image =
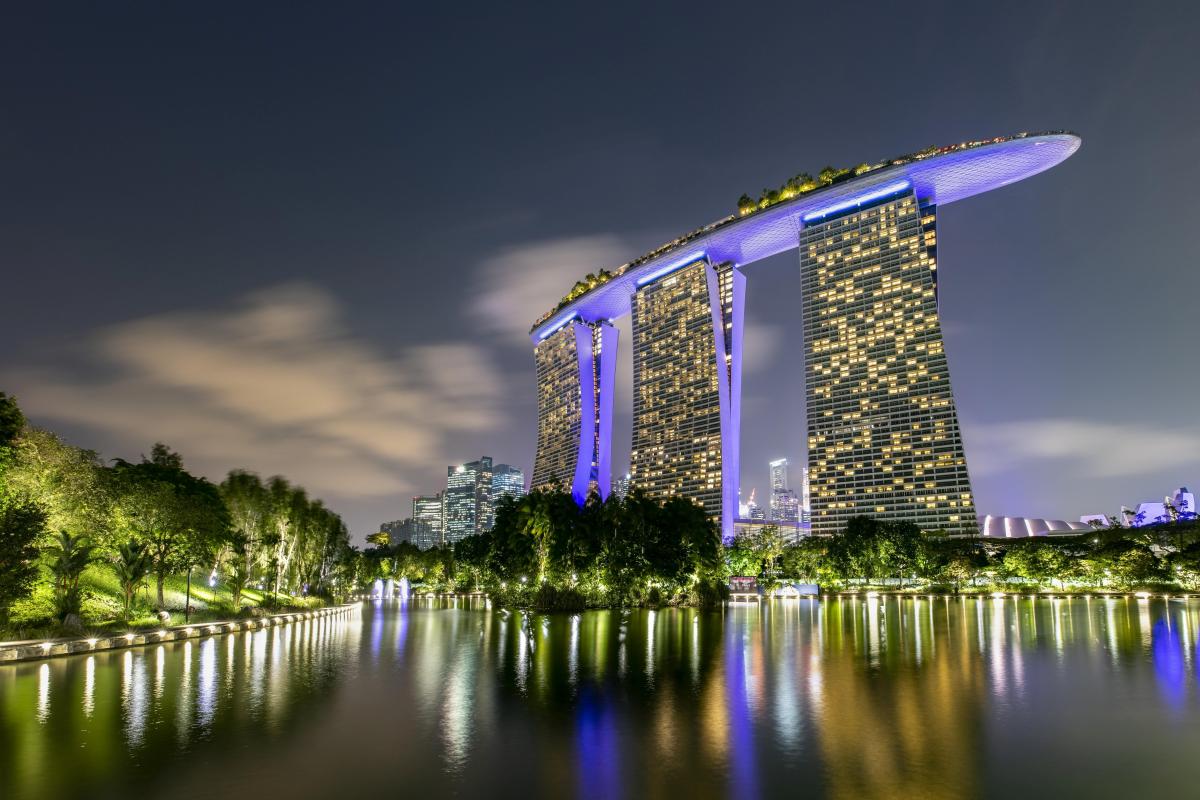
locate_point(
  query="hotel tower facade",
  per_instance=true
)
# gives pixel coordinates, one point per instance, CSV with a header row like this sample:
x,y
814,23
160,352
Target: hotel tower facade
x,y
883,433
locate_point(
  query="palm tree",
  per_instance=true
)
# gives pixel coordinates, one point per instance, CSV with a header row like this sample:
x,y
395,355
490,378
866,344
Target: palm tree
x,y
71,555
536,522
133,565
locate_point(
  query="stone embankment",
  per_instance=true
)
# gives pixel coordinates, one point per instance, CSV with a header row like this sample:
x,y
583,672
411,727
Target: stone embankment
x,y
11,652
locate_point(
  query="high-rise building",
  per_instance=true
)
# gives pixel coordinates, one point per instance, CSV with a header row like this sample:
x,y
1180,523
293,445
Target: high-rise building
x,y
753,509
883,430
507,481
779,474
396,531
883,435
621,487
687,385
576,372
785,506
468,499
422,534
805,497
428,510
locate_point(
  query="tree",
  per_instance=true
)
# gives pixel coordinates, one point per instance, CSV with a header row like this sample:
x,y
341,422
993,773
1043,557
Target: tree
x,y
855,553
65,481
69,557
21,525
181,519
767,543
900,548
132,566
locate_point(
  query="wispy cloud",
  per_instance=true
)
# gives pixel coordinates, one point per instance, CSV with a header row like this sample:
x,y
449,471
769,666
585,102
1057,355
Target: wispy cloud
x,y
1088,449
521,283
276,383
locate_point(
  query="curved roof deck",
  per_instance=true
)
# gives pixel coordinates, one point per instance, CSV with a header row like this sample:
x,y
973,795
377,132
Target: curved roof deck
x,y
949,175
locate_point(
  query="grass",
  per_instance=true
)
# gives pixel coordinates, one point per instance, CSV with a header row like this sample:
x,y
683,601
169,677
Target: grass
x,y
33,617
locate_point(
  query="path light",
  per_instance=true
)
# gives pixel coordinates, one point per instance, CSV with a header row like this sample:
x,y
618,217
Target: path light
x,y
1143,595
523,579
92,642
47,645
129,637
999,595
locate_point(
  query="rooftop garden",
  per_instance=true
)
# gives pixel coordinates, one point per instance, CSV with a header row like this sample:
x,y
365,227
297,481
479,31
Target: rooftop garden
x,y
798,185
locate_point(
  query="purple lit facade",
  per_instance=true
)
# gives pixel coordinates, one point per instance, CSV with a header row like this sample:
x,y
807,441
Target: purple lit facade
x,y
931,179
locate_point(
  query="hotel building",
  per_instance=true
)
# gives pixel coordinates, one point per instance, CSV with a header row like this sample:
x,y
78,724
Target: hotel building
x,y
883,430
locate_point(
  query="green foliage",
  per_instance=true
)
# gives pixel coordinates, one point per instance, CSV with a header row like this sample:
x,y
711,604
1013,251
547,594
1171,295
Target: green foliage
x,y
67,482
180,519
547,551
21,525
132,566
69,557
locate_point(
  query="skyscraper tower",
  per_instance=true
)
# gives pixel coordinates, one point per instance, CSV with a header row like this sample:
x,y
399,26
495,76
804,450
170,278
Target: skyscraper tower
x,y
687,385
427,510
468,499
576,372
779,474
507,481
883,435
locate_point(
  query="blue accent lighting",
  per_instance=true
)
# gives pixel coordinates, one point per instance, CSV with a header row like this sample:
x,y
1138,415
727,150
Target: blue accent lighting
x,y
667,270
856,202
558,325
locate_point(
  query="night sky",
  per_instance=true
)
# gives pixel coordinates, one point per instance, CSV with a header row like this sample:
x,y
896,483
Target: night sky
x,y
310,239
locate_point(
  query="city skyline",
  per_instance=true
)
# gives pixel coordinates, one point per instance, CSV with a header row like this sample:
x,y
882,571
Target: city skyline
x,y
335,286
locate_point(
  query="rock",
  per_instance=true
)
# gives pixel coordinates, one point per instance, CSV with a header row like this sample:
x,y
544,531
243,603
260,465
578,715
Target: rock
x,y
164,617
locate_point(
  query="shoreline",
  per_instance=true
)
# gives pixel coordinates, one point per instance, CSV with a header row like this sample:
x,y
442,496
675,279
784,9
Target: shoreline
x,y
33,650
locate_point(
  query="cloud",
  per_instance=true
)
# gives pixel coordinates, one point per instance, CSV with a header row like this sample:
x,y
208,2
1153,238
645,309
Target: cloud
x,y
276,383
1088,449
521,283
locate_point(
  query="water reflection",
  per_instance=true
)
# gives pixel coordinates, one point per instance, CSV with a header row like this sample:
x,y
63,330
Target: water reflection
x,y
844,697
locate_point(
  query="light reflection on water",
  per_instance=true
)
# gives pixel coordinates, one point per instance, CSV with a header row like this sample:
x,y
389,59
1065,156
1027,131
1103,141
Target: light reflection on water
x,y
844,697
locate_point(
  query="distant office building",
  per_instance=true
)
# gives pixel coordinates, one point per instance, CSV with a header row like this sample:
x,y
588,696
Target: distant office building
x,y
395,531
621,488
507,481
422,534
467,500
785,506
753,510
428,510
805,491
779,474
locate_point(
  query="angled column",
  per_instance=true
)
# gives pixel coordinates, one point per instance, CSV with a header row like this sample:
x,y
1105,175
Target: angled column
x,y
883,435
687,326
576,373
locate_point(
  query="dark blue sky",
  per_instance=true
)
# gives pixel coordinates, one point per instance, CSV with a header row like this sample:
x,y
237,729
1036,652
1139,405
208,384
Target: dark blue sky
x,y
309,239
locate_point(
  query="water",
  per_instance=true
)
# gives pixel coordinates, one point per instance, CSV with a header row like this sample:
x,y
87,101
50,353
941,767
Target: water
x,y
841,698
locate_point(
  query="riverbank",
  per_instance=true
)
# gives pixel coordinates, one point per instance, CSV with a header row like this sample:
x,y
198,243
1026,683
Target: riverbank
x,y
32,650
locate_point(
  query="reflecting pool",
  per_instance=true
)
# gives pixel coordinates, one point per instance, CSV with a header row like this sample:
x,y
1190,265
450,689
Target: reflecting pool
x,y
844,697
